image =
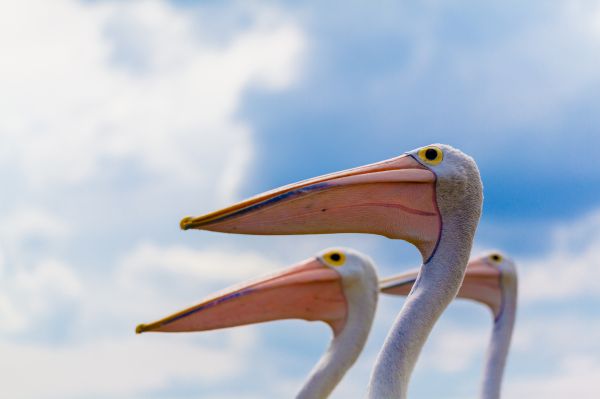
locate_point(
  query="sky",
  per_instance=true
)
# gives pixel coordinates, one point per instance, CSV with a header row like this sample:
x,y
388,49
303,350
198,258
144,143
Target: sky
x,y
118,118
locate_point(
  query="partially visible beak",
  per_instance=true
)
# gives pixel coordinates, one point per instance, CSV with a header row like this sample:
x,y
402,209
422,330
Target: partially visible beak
x,y
394,198
399,284
309,291
482,283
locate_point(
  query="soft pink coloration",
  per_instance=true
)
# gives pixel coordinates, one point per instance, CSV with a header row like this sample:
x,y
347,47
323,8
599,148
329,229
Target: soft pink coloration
x,y
482,283
308,291
394,198
339,287
492,280
432,200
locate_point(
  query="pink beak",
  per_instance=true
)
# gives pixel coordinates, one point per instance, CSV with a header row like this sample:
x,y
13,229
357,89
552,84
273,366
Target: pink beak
x,y
482,283
309,290
394,198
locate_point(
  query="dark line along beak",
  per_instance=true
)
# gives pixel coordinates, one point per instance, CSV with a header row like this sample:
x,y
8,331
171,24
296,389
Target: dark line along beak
x,y
481,283
309,291
395,198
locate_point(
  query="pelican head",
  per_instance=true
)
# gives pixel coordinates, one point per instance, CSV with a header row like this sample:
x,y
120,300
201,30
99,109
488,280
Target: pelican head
x,y
329,287
489,279
407,197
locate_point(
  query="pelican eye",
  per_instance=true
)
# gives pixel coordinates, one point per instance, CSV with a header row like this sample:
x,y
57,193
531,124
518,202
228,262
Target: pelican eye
x,y
496,258
431,155
334,258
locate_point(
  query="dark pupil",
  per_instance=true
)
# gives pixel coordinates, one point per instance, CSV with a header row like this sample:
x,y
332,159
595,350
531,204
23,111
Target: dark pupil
x,y
335,257
495,257
431,154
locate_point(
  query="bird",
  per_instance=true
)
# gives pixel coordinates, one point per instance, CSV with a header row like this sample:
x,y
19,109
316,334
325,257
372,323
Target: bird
x,y
492,280
431,197
338,286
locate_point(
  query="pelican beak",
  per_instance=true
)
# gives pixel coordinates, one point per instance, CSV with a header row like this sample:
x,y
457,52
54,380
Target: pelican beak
x,y
394,198
399,284
309,290
482,283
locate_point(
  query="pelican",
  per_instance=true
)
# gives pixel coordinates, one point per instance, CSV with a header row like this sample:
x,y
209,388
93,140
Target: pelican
x,y
339,286
431,197
492,280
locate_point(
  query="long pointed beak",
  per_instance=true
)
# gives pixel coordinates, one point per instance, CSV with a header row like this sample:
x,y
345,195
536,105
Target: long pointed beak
x,y
395,198
309,291
482,283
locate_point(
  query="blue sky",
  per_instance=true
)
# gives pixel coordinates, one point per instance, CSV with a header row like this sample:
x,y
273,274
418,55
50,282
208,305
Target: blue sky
x,y
119,118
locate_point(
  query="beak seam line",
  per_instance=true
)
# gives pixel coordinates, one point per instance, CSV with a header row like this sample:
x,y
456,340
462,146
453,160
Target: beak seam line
x,y
200,307
396,285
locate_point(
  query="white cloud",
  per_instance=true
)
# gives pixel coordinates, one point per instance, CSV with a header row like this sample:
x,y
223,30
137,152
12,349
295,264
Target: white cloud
x,y
150,282
454,350
123,368
576,378
571,270
108,109
206,265
547,63
556,336
136,81
11,319
24,226
35,283
32,295
50,276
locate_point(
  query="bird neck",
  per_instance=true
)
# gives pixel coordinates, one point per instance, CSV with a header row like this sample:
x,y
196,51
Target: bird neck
x,y
346,346
436,286
500,340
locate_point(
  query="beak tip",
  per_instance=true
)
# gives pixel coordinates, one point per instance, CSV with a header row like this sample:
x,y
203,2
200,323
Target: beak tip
x,y
186,223
140,328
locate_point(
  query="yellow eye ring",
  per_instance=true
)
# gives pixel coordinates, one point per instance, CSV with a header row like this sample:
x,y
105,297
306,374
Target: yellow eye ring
x,y
431,155
496,258
335,258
